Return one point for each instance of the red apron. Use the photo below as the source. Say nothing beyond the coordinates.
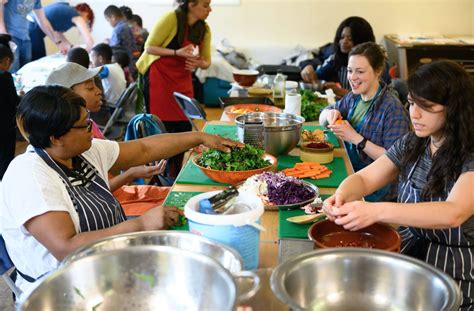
(167, 75)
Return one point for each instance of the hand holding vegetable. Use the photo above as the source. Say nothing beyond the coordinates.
(219, 143)
(356, 215)
(346, 132)
(333, 115)
(159, 218)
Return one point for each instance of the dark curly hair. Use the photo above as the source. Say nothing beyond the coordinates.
(361, 32)
(5, 51)
(446, 83)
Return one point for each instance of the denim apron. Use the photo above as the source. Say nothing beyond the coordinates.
(352, 151)
(446, 249)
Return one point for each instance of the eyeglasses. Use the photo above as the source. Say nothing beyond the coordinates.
(88, 126)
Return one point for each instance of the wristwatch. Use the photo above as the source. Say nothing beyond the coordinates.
(361, 145)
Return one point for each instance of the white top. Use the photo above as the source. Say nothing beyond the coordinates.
(114, 84)
(31, 188)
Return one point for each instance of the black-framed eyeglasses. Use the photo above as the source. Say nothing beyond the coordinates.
(88, 126)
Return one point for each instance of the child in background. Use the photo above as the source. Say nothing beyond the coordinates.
(120, 56)
(139, 33)
(79, 56)
(121, 34)
(112, 75)
(8, 106)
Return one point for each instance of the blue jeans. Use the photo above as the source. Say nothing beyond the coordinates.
(22, 54)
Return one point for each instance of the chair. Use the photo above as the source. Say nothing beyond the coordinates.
(5, 265)
(128, 97)
(191, 108)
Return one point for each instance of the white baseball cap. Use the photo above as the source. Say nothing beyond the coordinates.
(70, 74)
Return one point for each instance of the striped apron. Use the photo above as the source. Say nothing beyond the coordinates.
(446, 249)
(95, 205)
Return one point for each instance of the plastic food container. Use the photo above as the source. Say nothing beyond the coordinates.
(317, 152)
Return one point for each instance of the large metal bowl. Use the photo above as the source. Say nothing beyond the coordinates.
(226, 256)
(282, 131)
(362, 279)
(139, 278)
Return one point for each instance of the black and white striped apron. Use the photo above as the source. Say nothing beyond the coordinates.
(446, 249)
(95, 205)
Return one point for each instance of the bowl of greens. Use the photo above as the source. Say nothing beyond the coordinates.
(236, 166)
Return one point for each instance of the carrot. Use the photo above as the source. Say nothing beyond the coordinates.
(311, 170)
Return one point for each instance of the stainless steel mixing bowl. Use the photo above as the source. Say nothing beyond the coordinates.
(282, 131)
(138, 278)
(362, 279)
(226, 256)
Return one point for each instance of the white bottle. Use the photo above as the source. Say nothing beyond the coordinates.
(279, 90)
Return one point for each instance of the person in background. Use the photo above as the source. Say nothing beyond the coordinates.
(64, 172)
(134, 199)
(375, 117)
(121, 57)
(10, 101)
(178, 43)
(140, 34)
(79, 56)
(127, 13)
(62, 17)
(112, 75)
(13, 20)
(434, 166)
(121, 34)
(352, 31)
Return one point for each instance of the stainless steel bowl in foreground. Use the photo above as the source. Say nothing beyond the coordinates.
(139, 278)
(226, 256)
(362, 279)
(282, 131)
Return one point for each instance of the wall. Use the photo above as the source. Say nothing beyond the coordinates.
(275, 26)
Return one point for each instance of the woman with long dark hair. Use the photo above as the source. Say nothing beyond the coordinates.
(434, 166)
(352, 31)
(178, 43)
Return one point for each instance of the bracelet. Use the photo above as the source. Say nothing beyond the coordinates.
(59, 42)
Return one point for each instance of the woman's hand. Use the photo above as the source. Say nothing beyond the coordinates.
(346, 132)
(193, 63)
(186, 51)
(145, 171)
(308, 74)
(339, 91)
(332, 116)
(219, 143)
(160, 217)
(357, 215)
(331, 204)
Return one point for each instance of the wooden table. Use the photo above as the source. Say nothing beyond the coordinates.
(269, 241)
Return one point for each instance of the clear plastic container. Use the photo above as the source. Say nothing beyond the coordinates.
(279, 90)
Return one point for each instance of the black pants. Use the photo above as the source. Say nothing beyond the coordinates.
(7, 150)
(176, 127)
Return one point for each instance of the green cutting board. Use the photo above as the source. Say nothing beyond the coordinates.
(230, 131)
(226, 131)
(179, 199)
(339, 172)
(191, 174)
(330, 135)
(288, 229)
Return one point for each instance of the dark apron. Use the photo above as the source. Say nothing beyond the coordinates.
(95, 205)
(353, 153)
(446, 249)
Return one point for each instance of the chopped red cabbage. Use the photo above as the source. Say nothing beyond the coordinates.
(283, 190)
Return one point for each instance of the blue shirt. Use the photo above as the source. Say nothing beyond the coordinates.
(14, 15)
(60, 15)
(122, 36)
(385, 122)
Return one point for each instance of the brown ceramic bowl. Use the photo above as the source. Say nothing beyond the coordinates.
(321, 155)
(234, 177)
(326, 234)
(236, 110)
(245, 77)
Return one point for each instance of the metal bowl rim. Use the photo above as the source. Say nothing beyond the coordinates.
(76, 255)
(280, 272)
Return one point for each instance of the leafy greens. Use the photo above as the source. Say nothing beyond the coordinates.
(311, 105)
(239, 159)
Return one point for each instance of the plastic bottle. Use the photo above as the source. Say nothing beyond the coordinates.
(279, 90)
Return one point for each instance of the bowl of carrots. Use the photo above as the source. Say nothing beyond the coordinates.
(320, 152)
